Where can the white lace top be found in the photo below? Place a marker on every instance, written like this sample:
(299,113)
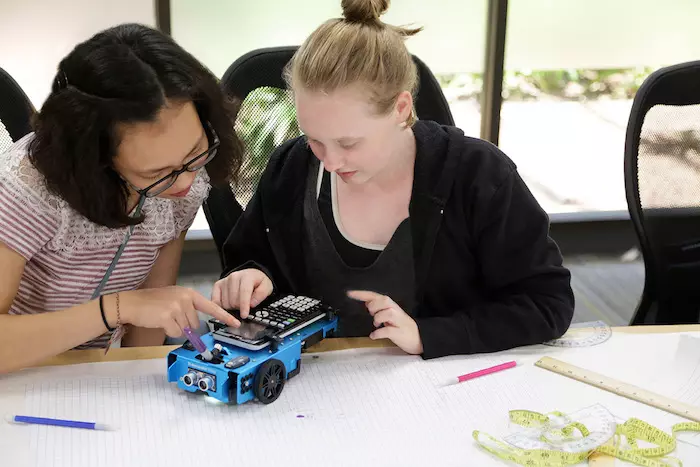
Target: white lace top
(67,255)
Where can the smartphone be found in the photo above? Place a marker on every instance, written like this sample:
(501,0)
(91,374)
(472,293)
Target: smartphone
(250,335)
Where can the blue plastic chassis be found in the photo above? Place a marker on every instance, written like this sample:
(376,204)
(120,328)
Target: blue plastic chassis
(237,386)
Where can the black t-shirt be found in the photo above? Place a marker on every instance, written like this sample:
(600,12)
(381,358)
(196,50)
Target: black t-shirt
(352,254)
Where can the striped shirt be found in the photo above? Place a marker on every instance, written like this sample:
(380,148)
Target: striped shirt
(66,254)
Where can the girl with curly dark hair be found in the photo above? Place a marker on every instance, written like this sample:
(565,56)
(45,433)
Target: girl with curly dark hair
(96,201)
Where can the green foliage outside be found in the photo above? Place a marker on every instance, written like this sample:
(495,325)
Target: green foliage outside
(267,117)
(574,84)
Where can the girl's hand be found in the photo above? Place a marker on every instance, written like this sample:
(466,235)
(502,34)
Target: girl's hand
(242,290)
(170,308)
(398,325)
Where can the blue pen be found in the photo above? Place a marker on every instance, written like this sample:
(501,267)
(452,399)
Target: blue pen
(57,422)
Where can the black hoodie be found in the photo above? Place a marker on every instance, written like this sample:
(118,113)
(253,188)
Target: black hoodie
(488,276)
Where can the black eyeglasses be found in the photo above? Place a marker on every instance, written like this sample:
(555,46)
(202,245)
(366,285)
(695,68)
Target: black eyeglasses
(192,166)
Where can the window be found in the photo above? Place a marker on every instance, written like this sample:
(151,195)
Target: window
(452,43)
(219,32)
(571,72)
(47,31)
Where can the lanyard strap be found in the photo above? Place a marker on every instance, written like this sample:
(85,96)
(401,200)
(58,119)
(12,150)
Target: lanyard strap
(111,267)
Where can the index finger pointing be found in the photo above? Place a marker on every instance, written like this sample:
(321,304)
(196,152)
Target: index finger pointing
(363,295)
(205,306)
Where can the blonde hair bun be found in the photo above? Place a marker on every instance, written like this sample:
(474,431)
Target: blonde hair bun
(364,11)
(358,49)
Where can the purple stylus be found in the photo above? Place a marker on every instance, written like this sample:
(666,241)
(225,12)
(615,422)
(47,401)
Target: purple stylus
(198,344)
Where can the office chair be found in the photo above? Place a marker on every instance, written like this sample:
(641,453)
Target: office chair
(662,184)
(267,118)
(16,111)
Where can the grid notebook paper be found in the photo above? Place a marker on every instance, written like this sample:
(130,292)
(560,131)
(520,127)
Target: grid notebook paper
(349,408)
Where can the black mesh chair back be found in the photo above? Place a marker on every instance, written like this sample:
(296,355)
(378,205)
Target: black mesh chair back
(267,118)
(16,111)
(662,182)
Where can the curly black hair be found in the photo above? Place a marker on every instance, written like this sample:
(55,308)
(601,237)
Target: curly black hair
(125,74)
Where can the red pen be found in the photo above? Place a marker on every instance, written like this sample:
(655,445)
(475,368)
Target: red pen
(485,371)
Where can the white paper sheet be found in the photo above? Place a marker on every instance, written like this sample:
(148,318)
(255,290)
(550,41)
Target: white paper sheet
(363,407)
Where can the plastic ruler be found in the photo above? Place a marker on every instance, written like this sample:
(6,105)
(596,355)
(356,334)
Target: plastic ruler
(621,389)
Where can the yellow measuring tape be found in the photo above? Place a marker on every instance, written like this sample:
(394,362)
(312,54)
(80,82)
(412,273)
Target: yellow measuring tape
(632,431)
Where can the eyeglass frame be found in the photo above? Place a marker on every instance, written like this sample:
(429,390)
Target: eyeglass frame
(210,152)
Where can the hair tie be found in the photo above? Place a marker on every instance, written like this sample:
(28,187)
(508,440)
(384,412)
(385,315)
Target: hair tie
(61,80)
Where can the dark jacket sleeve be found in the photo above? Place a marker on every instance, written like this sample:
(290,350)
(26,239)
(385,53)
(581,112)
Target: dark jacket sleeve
(527,292)
(247,245)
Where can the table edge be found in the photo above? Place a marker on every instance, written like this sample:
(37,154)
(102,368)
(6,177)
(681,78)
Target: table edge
(144,353)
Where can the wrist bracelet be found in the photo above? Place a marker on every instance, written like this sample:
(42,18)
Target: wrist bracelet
(119,316)
(102,312)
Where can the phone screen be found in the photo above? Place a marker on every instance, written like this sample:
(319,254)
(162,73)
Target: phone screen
(249,331)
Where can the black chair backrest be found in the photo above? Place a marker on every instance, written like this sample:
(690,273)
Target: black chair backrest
(662,182)
(16,111)
(267,118)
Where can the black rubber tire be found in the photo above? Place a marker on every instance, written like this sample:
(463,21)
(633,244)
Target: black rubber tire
(269,381)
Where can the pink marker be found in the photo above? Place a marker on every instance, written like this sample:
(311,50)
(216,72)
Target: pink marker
(485,371)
